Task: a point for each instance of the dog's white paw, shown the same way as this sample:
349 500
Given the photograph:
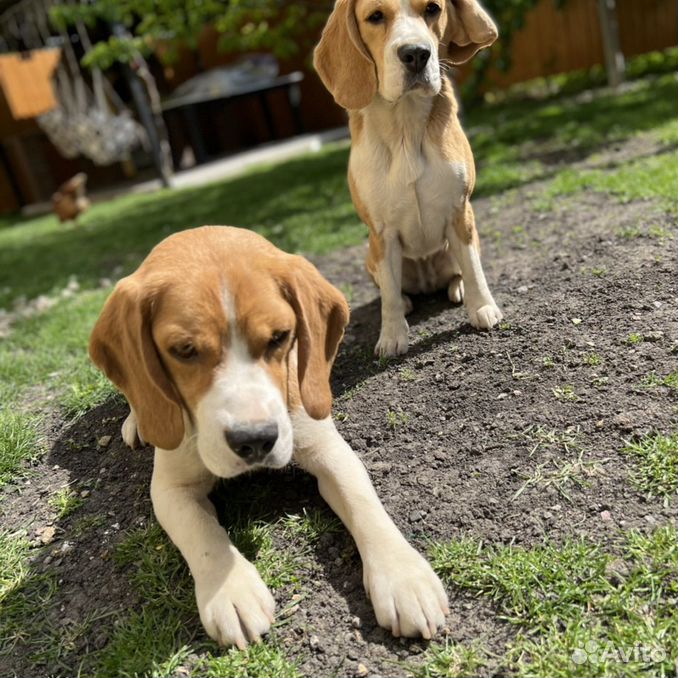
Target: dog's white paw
407 596
130 432
235 606
485 317
393 339
455 290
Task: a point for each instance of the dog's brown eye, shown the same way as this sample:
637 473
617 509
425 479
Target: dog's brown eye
185 351
278 339
376 17
432 9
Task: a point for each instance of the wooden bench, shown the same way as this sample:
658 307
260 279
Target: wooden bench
187 106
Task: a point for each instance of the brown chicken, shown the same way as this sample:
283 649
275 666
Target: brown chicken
70 199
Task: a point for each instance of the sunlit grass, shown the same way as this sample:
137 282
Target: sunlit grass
561 597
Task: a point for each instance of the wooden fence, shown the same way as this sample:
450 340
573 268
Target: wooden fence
568 39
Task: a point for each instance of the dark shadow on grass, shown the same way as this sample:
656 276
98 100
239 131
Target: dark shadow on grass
356 361
587 122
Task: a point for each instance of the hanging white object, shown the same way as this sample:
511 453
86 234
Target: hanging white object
84 123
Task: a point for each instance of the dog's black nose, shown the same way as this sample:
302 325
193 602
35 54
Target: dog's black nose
252 442
414 57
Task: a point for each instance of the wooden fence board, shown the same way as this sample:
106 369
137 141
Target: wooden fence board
562 40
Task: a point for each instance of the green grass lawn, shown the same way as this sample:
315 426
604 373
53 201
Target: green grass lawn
303 205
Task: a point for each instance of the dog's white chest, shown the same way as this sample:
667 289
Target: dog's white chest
413 191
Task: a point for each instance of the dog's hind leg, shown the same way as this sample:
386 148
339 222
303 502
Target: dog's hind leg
437 272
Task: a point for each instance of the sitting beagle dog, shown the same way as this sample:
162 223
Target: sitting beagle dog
223 346
411 170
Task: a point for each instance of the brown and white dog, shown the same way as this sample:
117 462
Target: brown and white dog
411 170
223 346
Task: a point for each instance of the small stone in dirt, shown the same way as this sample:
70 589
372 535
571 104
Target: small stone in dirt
501 396
361 670
315 645
65 548
522 289
293 609
605 516
653 336
46 535
627 421
576 321
649 518
416 516
104 441
352 653
85 493
617 571
356 622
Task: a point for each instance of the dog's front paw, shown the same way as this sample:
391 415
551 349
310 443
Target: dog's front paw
130 431
235 606
393 339
485 317
407 596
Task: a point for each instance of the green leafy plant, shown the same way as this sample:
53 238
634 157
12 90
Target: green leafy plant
244 25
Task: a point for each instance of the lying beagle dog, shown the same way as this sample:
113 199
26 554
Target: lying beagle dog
411 170
223 346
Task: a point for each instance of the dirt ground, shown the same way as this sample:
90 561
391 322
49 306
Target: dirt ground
458 446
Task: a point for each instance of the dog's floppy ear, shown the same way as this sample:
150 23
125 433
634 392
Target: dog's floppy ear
122 346
342 60
469 29
322 314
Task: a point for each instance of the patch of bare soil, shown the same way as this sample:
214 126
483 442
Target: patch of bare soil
465 451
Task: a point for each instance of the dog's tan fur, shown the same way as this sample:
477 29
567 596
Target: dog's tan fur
218 327
411 171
